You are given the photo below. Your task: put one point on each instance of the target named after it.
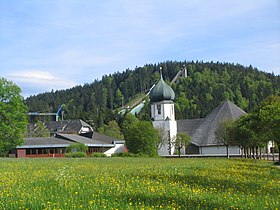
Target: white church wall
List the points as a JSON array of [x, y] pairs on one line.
[[218, 150], [170, 131], [162, 110], [168, 109]]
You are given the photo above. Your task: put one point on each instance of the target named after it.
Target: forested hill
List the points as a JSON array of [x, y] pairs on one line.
[[206, 86]]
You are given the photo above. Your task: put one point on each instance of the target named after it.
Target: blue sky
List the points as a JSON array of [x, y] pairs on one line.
[[57, 44]]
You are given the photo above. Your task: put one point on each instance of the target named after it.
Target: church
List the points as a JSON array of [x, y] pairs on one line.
[[202, 131]]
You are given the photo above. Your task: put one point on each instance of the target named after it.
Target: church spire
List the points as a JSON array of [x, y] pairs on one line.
[[163, 114], [162, 91]]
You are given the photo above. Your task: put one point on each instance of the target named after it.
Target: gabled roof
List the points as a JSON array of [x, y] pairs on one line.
[[204, 135], [67, 126]]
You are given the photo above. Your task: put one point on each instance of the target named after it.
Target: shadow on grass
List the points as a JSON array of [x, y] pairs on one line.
[[173, 201], [222, 183]]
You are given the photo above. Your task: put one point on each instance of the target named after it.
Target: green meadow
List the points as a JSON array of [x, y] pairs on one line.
[[138, 183]]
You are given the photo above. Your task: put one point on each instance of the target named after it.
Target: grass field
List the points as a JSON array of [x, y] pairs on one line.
[[138, 183]]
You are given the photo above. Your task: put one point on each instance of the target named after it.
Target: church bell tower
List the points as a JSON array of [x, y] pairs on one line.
[[163, 115]]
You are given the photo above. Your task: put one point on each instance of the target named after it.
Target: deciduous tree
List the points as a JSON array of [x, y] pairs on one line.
[[39, 130], [181, 140], [129, 120], [224, 134], [13, 116], [269, 118], [162, 137], [141, 137], [112, 129]]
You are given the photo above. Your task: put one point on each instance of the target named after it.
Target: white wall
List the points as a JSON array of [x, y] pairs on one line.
[[269, 146], [85, 129], [219, 150], [170, 130], [167, 110], [116, 149]]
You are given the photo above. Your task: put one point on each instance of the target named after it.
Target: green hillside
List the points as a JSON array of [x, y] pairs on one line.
[[207, 84]]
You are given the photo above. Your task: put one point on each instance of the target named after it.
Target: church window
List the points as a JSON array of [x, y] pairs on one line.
[[159, 109]]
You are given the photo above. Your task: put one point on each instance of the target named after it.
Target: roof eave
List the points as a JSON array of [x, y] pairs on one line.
[[100, 145], [42, 146]]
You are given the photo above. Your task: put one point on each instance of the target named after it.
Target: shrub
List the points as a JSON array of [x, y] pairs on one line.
[[77, 147], [75, 154], [98, 154], [122, 154], [117, 154]]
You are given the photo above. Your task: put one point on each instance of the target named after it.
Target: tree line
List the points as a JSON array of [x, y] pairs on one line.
[[255, 130], [209, 83], [98, 103]]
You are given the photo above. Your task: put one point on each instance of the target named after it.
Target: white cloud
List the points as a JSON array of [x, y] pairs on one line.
[[33, 76], [36, 81]]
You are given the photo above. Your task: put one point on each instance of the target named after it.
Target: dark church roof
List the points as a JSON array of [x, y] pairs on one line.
[[203, 130], [188, 125], [161, 91]]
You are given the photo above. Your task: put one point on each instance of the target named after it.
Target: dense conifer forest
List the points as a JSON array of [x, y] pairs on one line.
[[205, 87]]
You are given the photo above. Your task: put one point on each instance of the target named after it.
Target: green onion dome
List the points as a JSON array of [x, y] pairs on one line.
[[161, 92]]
